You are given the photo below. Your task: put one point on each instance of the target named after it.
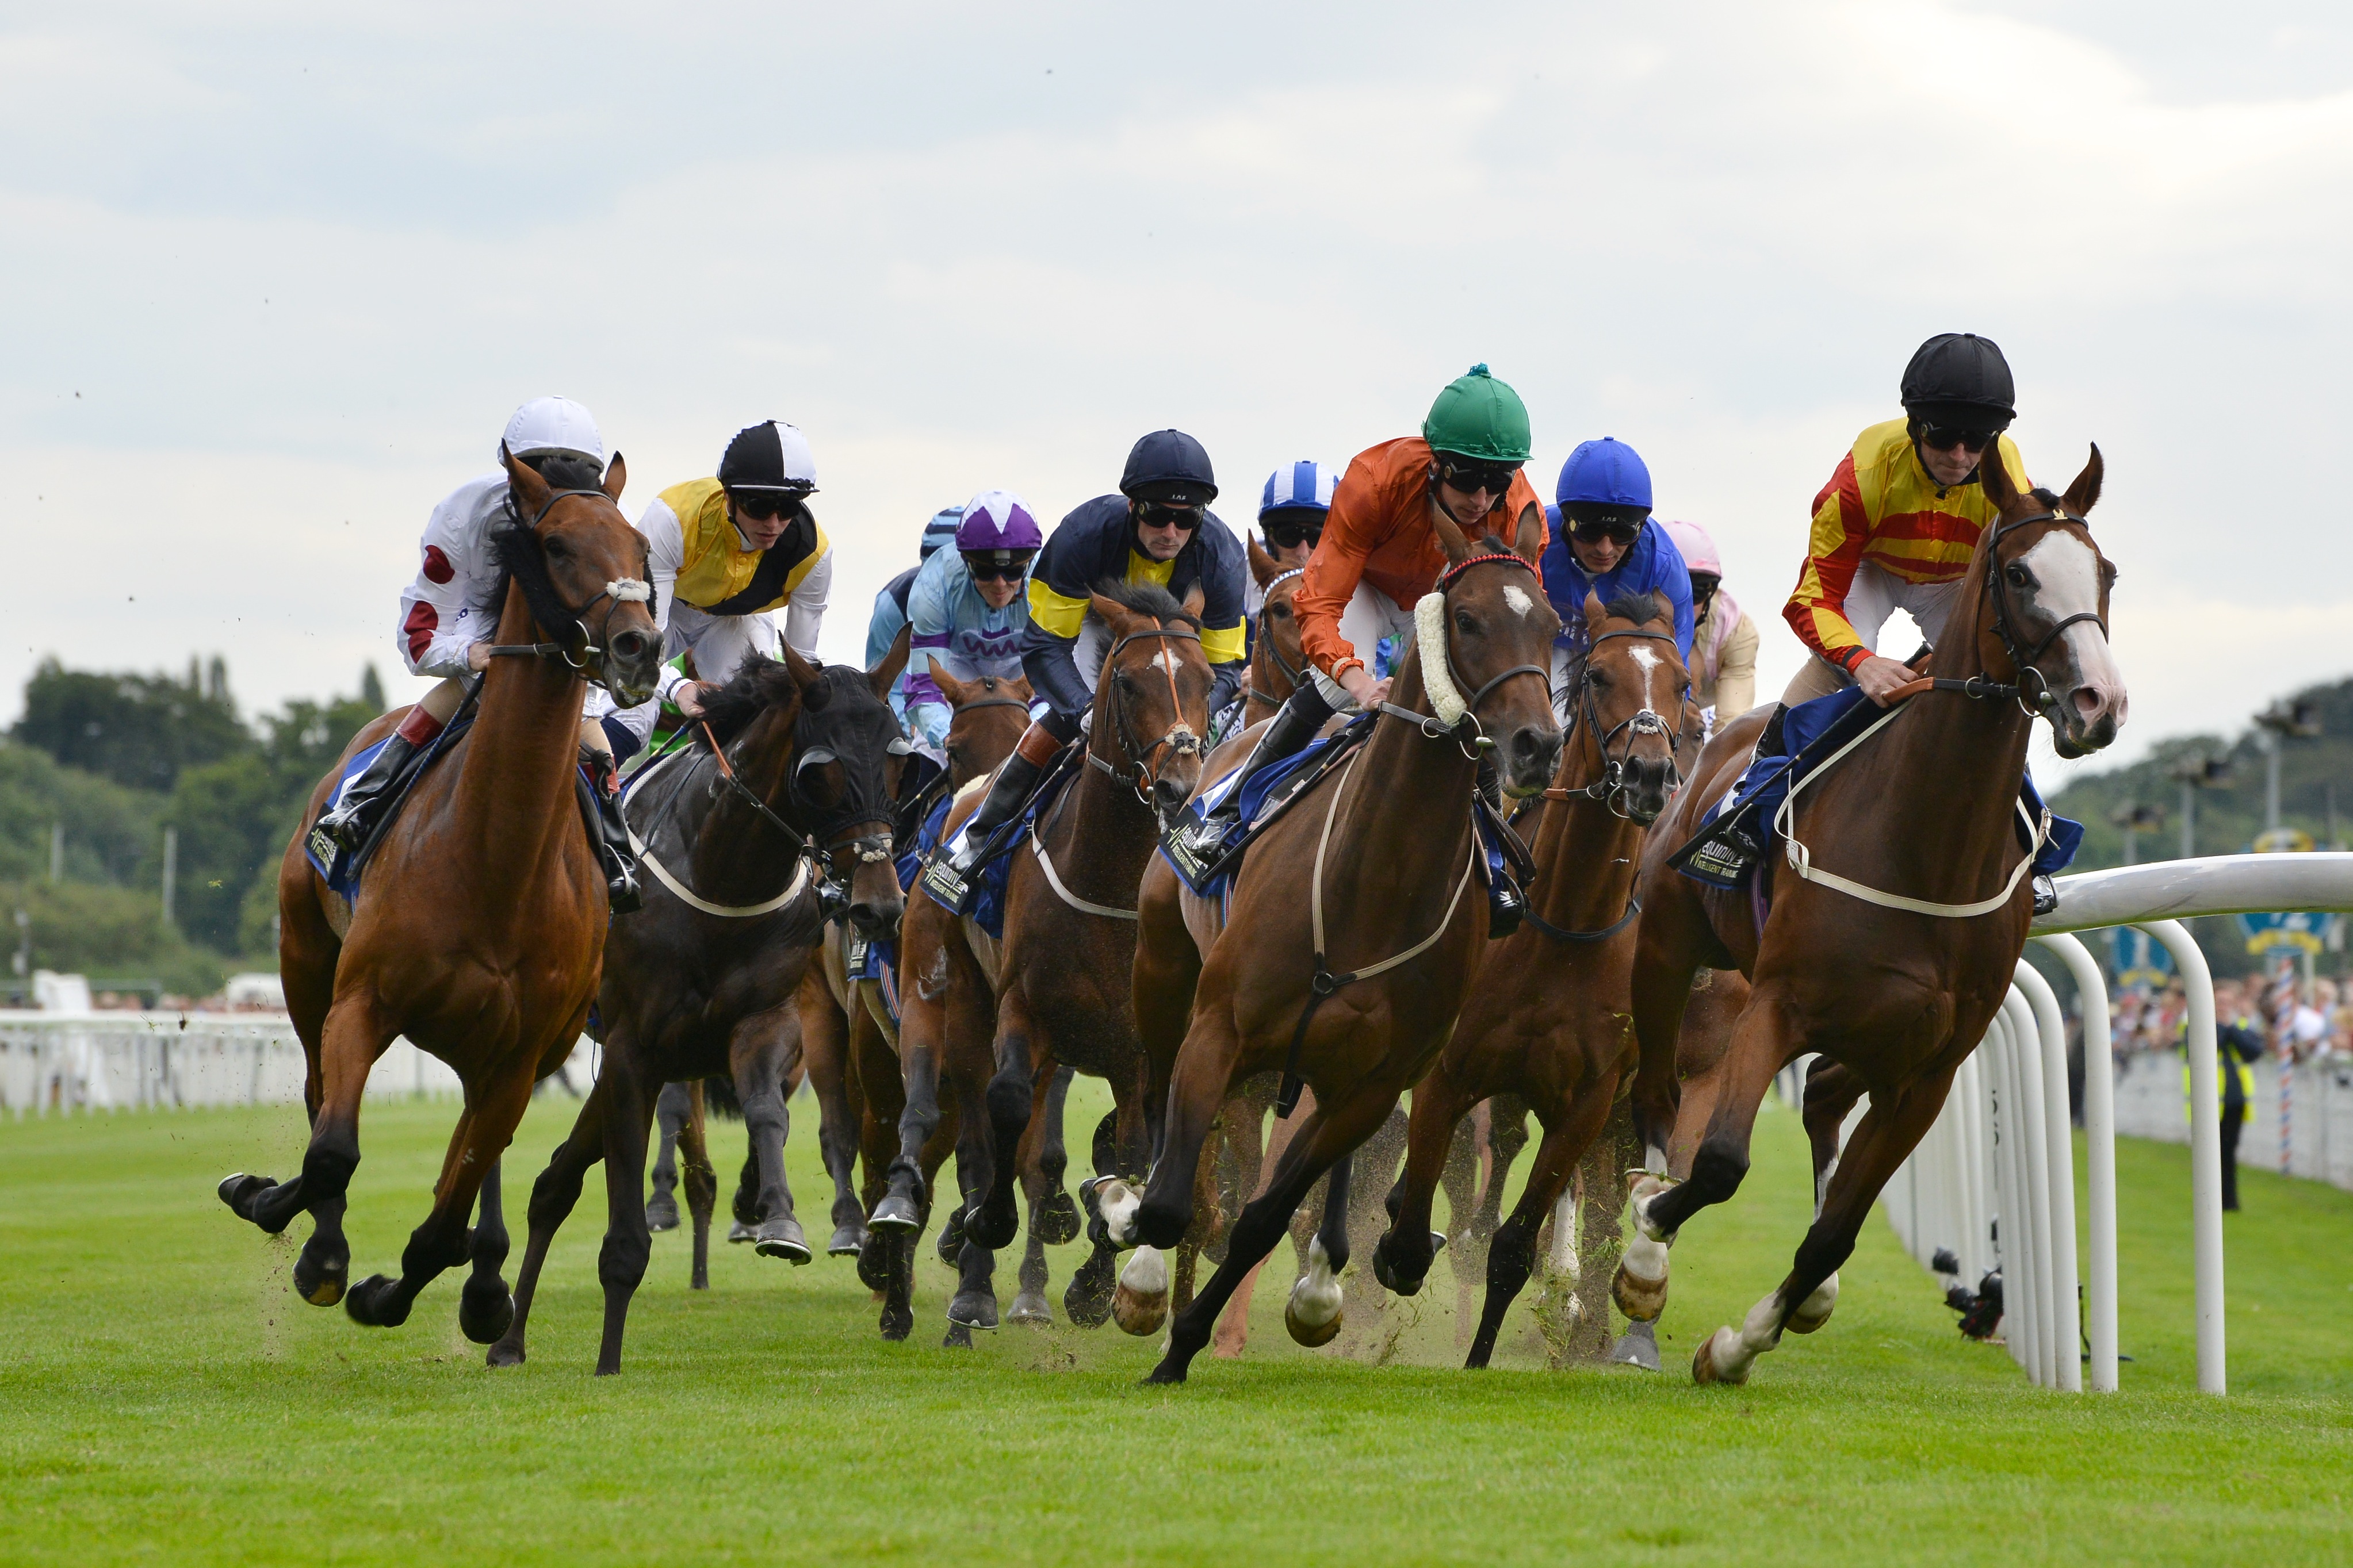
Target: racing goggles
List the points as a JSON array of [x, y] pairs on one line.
[[1469, 477], [1944, 438], [997, 565], [1159, 514], [1616, 529], [1290, 533], [766, 504], [1703, 586]]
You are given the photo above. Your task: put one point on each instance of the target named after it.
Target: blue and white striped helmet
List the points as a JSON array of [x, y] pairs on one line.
[[941, 528], [1302, 486]]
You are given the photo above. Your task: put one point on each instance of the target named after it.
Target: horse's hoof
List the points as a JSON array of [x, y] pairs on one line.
[[1637, 1347], [1815, 1310], [504, 1354], [321, 1284], [661, 1213], [958, 1338], [849, 1241], [1087, 1301], [1140, 1305], [369, 1303], [1030, 1307], [896, 1212], [897, 1324], [238, 1190], [1310, 1334], [1708, 1367], [1640, 1286], [1312, 1312], [993, 1225], [1167, 1373], [875, 1259], [951, 1242], [1057, 1220], [1385, 1272], [974, 1309], [484, 1316], [740, 1233], [782, 1239]]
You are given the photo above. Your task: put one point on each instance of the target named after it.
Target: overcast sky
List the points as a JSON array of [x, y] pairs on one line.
[[273, 279]]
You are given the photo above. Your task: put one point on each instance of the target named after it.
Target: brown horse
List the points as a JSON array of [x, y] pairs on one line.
[[1348, 941], [1892, 964], [787, 779], [480, 927], [1278, 662], [1056, 994], [1551, 1021]]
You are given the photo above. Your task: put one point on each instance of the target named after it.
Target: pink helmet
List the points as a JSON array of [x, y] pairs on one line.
[[1696, 548]]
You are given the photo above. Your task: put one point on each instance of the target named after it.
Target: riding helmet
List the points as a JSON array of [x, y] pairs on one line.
[[1302, 486], [1607, 472], [1960, 381], [1479, 418], [555, 424], [939, 529], [1171, 468], [998, 519], [769, 456]]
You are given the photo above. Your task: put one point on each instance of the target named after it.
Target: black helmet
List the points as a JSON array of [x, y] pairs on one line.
[[1171, 468], [1960, 379], [769, 456]]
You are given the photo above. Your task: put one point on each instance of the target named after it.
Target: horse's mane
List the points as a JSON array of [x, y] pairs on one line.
[[759, 684], [1641, 609], [1147, 599], [517, 552]]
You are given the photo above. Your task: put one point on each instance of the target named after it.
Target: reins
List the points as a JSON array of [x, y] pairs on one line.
[[1610, 787], [1297, 677]]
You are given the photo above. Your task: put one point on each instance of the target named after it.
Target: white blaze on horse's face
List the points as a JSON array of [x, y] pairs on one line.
[[2089, 687], [1517, 598], [1648, 662]]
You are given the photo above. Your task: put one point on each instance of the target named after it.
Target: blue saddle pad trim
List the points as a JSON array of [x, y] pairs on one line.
[[1263, 784], [339, 875], [990, 878]]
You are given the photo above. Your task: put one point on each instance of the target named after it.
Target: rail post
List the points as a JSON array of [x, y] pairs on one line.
[[2099, 1156]]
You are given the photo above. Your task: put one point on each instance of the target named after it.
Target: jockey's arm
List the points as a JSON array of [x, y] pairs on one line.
[[1225, 632], [1736, 671], [444, 613], [804, 611], [665, 559], [1329, 580], [930, 622]]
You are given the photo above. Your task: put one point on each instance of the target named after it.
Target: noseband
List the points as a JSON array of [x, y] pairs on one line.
[[1437, 726], [576, 651], [1610, 787], [1144, 765]]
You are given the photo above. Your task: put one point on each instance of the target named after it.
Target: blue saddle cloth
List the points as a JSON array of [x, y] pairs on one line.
[[991, 876], [338, 867], [1737, 831], [1271, 783]]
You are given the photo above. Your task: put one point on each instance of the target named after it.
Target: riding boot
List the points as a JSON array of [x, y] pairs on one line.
[[952, 878], [609, 834], [350, 819], [1294, 725]]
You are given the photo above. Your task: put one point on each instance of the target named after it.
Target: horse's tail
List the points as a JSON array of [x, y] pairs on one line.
[[719, 1097]]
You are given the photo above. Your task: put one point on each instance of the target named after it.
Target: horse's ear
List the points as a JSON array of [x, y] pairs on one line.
[[1197, 599], [1262, 567], [2085, 493], [530, 492], [885, 675], [1595, 617], [1449, 538], [804, 675], [1116, 616], [617, 474], [958, 692], [1528, 539], [1993, 474]]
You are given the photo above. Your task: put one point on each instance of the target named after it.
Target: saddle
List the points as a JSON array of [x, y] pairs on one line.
[[341, 869], [991, 875]]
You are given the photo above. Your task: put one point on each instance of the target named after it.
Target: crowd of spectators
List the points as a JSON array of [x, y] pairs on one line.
[[2272, 1007]]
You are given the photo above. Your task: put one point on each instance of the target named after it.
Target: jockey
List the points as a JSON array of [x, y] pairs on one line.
[[725, 553], [1290, 513], [969, 609], [1604, 543], [448, 624], [1897, 525], [1378, 555], [1723, 639], [1157, 529], [889, 616]]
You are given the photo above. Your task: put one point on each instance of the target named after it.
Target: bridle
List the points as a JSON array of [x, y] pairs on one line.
[[1145, 764], [2042, 700], [1435, 726], [575, 651], [1610, 787], [1297, 677]]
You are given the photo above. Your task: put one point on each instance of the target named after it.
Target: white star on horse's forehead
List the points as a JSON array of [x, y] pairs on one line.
[[1517, 598]]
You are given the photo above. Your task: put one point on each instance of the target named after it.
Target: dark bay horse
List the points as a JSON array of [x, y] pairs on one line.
[[480, 928], [1551, 1018], [998, 1021], [1351, 933], [787, 780], [1894, 974]]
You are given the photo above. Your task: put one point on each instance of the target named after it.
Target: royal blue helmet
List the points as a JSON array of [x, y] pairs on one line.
[[1607, 472], [1302, 486]]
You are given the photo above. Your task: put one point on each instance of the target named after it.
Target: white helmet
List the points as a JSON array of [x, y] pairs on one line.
[[555, 423]]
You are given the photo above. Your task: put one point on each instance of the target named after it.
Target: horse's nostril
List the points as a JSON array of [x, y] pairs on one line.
[[2088, 701]]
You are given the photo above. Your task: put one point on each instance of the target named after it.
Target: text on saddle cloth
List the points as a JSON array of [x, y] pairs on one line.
[[341, 869], [991, 877], [1737, 832], [1265, 796]]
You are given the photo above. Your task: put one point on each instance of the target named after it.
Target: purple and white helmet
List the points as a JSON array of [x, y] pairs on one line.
[[998, 519]]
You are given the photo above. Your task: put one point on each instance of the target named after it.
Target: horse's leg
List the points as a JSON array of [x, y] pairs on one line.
[[621, 1261], [1058, 1218], [1762, 1041], [702, 1179], [306, 952], [881, 1098], [552, 1197], [1233, 1325], [1831, 1091], [1330, 1131], [481, 1135], [1883, 1141], [995, 1218], [973, 1306], [1507, 1138], [1402, 1256], [1602, 1187], [670, 1115], [485, 1309], [826, 1036], [1512, 1254], [758, 1056], [922, 1030], [353, 1035], [1030, 1305], [1312, 1313]]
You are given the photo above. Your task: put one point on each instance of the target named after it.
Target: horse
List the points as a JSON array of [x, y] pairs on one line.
[[480, 928], [997, 1024], [1866, 964], [1551, 1018], [1278, 661], [1220, 1000], [789, 772]]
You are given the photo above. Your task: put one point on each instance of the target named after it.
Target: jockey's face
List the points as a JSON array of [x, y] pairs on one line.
[[1469, 506], [1599, 555], [760, 532], [997, 591], [1161, 532]]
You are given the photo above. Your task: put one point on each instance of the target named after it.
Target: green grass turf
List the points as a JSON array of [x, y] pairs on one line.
[[164, 1397]]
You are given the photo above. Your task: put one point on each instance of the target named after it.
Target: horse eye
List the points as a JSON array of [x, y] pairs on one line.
[[2019, 578], [1281, 612], [1464, 623]]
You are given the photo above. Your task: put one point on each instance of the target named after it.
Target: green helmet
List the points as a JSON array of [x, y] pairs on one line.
[[1479, 416]]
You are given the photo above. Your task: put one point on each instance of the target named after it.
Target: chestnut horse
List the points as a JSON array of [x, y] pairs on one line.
[[1552, 1020], [480, 928], [1347, 939], [1055, 991], [1867, 963], [787, 779]]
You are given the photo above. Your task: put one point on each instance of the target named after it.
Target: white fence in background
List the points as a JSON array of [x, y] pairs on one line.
[[53, 1064], [1994, 1179], [2152, 1103]]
